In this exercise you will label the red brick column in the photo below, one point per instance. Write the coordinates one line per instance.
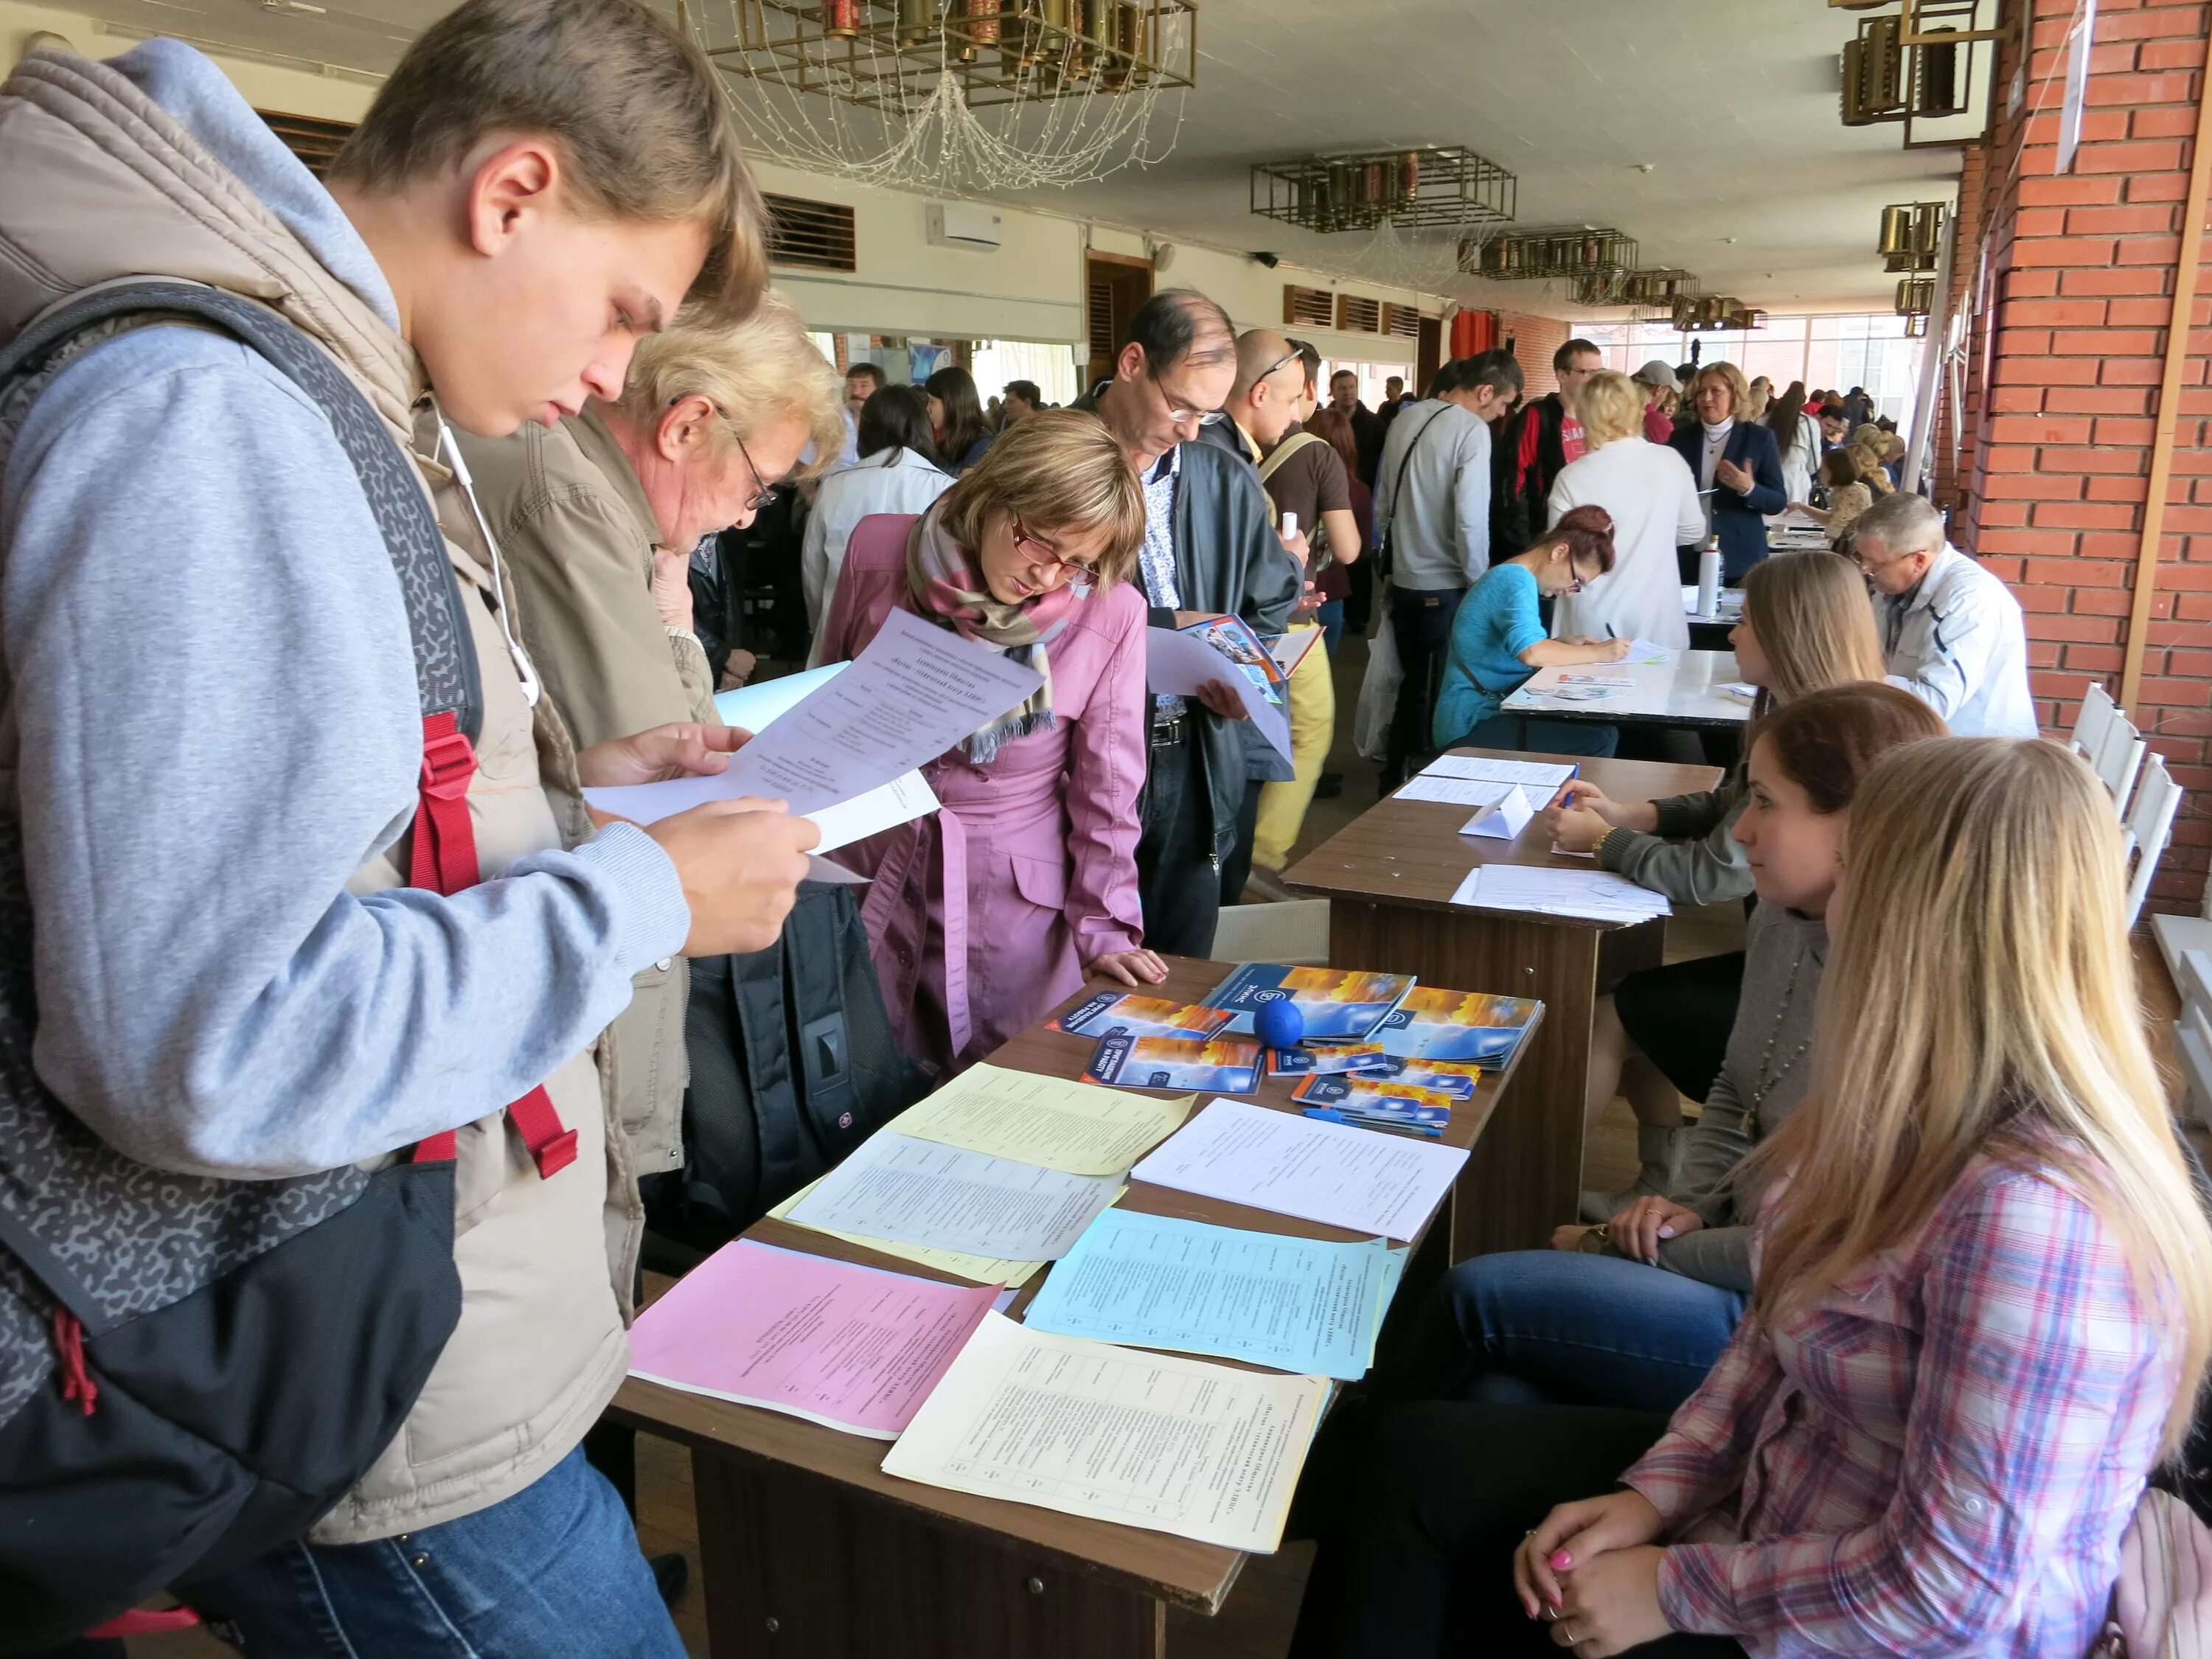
(2082, 271)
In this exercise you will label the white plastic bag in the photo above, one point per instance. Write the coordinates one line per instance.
(1378, 691)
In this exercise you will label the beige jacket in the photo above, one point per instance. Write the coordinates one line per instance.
(101, 183)
(578, 537)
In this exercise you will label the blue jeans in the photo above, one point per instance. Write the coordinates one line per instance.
(1537, 737)
(1561, 1326)
(1329, 614)
(553, 1572)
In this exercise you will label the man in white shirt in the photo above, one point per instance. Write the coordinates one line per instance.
(1952, 633)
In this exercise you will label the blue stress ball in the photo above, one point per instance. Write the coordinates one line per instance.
(1280, 1024)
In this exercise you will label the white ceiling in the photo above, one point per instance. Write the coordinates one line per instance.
(1754, 184)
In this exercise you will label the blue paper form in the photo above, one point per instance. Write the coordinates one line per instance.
(1297, 1305)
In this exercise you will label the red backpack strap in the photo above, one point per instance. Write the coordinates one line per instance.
(444, 860)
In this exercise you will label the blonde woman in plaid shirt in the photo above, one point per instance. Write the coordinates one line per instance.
(1983, 1308)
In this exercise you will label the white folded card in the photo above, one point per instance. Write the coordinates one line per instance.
(1507, 819)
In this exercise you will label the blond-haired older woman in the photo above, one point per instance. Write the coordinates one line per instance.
(986, 914)
(1738, 471)
(598, 513)
(1653, 501)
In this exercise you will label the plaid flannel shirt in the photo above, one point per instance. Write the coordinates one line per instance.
(1939, 1458)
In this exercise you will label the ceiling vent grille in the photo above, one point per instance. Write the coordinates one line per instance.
(1307, 307)
(314, 142)
(1357, 314)
(811, 235)
(1402, 322)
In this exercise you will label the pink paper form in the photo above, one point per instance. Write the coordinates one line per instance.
(851, 1347)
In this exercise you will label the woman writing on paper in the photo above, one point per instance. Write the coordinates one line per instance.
(984, 915)
(1498, 642)
(1982, 1313)
(1806, 623)
(1633, 1314)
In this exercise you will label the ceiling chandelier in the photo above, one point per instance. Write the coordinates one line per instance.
(1006, 94)
(1425, 188)
(1912, 236)
(1572, 253)
(1712, 313)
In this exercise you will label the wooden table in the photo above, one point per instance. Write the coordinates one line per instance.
(1389, 878)
(1683, 692)
(811, 1552)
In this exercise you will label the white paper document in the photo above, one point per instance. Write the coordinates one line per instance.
(1377, 1184)
(914, 693)
(899, 801)
(1505, 820)
(1649, 651)
(919, 1192)
(1453, 791)
(754, 708)
(1542, 777)
(1149, 1440)
(1594, 895)
(1180, 662)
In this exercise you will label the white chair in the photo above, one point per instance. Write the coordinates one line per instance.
(2095, 713)
(2149, 827)
(2117, 760)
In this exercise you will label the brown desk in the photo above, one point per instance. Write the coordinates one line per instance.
(811, 1552)
(1390, 880)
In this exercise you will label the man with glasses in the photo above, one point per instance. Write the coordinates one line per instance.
(1210, 549)
(1952, 633)
(1532, 448)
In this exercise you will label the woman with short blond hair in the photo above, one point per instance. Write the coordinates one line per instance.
(984, 915)
(1647, 490)
(1738, 467)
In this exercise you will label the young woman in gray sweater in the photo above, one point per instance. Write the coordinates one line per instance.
(1633, 1313)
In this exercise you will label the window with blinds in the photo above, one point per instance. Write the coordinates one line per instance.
(1357, 314)
(811, 236)
(1307, 307)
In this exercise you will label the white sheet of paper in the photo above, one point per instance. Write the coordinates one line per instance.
(755, 708)
(829, 869)
(1180, 662)
(1149, 1440)
(920, 1191)
(914, 693)
(899, 801)
(1598, 895)
(1507, 819)
(1377, 1184)
(1649, 651)
(1453, 791)
(1542, 777)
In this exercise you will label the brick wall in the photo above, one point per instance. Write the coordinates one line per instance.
(2082, 278)
(1534, 339)
(1947, 487)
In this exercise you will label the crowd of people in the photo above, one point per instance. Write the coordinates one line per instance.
(1926, 1311)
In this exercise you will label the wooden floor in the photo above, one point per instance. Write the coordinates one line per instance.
(1257, 1621)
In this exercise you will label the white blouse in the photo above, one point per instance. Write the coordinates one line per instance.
(1648, 490)
(889, 480)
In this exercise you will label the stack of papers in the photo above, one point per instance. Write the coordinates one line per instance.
(1148, 1440)
(1189, 1064)
(855, 1348)
(1105, 1012)
(907, 1191)
(1298, 1305)
(1541, 779)
(1378, 1185)
(1470, 1027)
(1594, 895)
(978, 1269)
(1455, 792)
(1044, 1121)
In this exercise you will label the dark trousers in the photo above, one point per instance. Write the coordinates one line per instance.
(1680, 1016)
(1420, 624)
(1236, 868)
(1536, 737)
(1416, 1558)
(1177, 882)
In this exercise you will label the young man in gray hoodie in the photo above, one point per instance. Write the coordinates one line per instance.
(211, 738)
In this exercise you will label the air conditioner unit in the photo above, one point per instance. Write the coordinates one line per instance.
(956, 224)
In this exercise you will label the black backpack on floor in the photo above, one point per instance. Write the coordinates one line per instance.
(793, 1066)
(192, 1372)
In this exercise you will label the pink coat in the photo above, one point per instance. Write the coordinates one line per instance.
(982, 915)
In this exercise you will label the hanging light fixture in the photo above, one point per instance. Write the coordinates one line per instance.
(1912, 235)
(1428, 187)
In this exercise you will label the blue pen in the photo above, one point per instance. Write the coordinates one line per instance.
(1330, 1114)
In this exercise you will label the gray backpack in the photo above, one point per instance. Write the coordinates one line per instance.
(194, 1370)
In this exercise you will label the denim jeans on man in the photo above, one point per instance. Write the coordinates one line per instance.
(1574, 1330)
(553, 1572)
(1536, 737)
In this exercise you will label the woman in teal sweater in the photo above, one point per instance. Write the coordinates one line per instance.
(1497, 641)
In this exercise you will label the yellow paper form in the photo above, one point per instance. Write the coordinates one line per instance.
(1148, 1439)
(978, 1269)
(1076, 1128)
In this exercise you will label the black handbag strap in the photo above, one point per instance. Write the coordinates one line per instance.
(1398, 488)
(446, 676)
